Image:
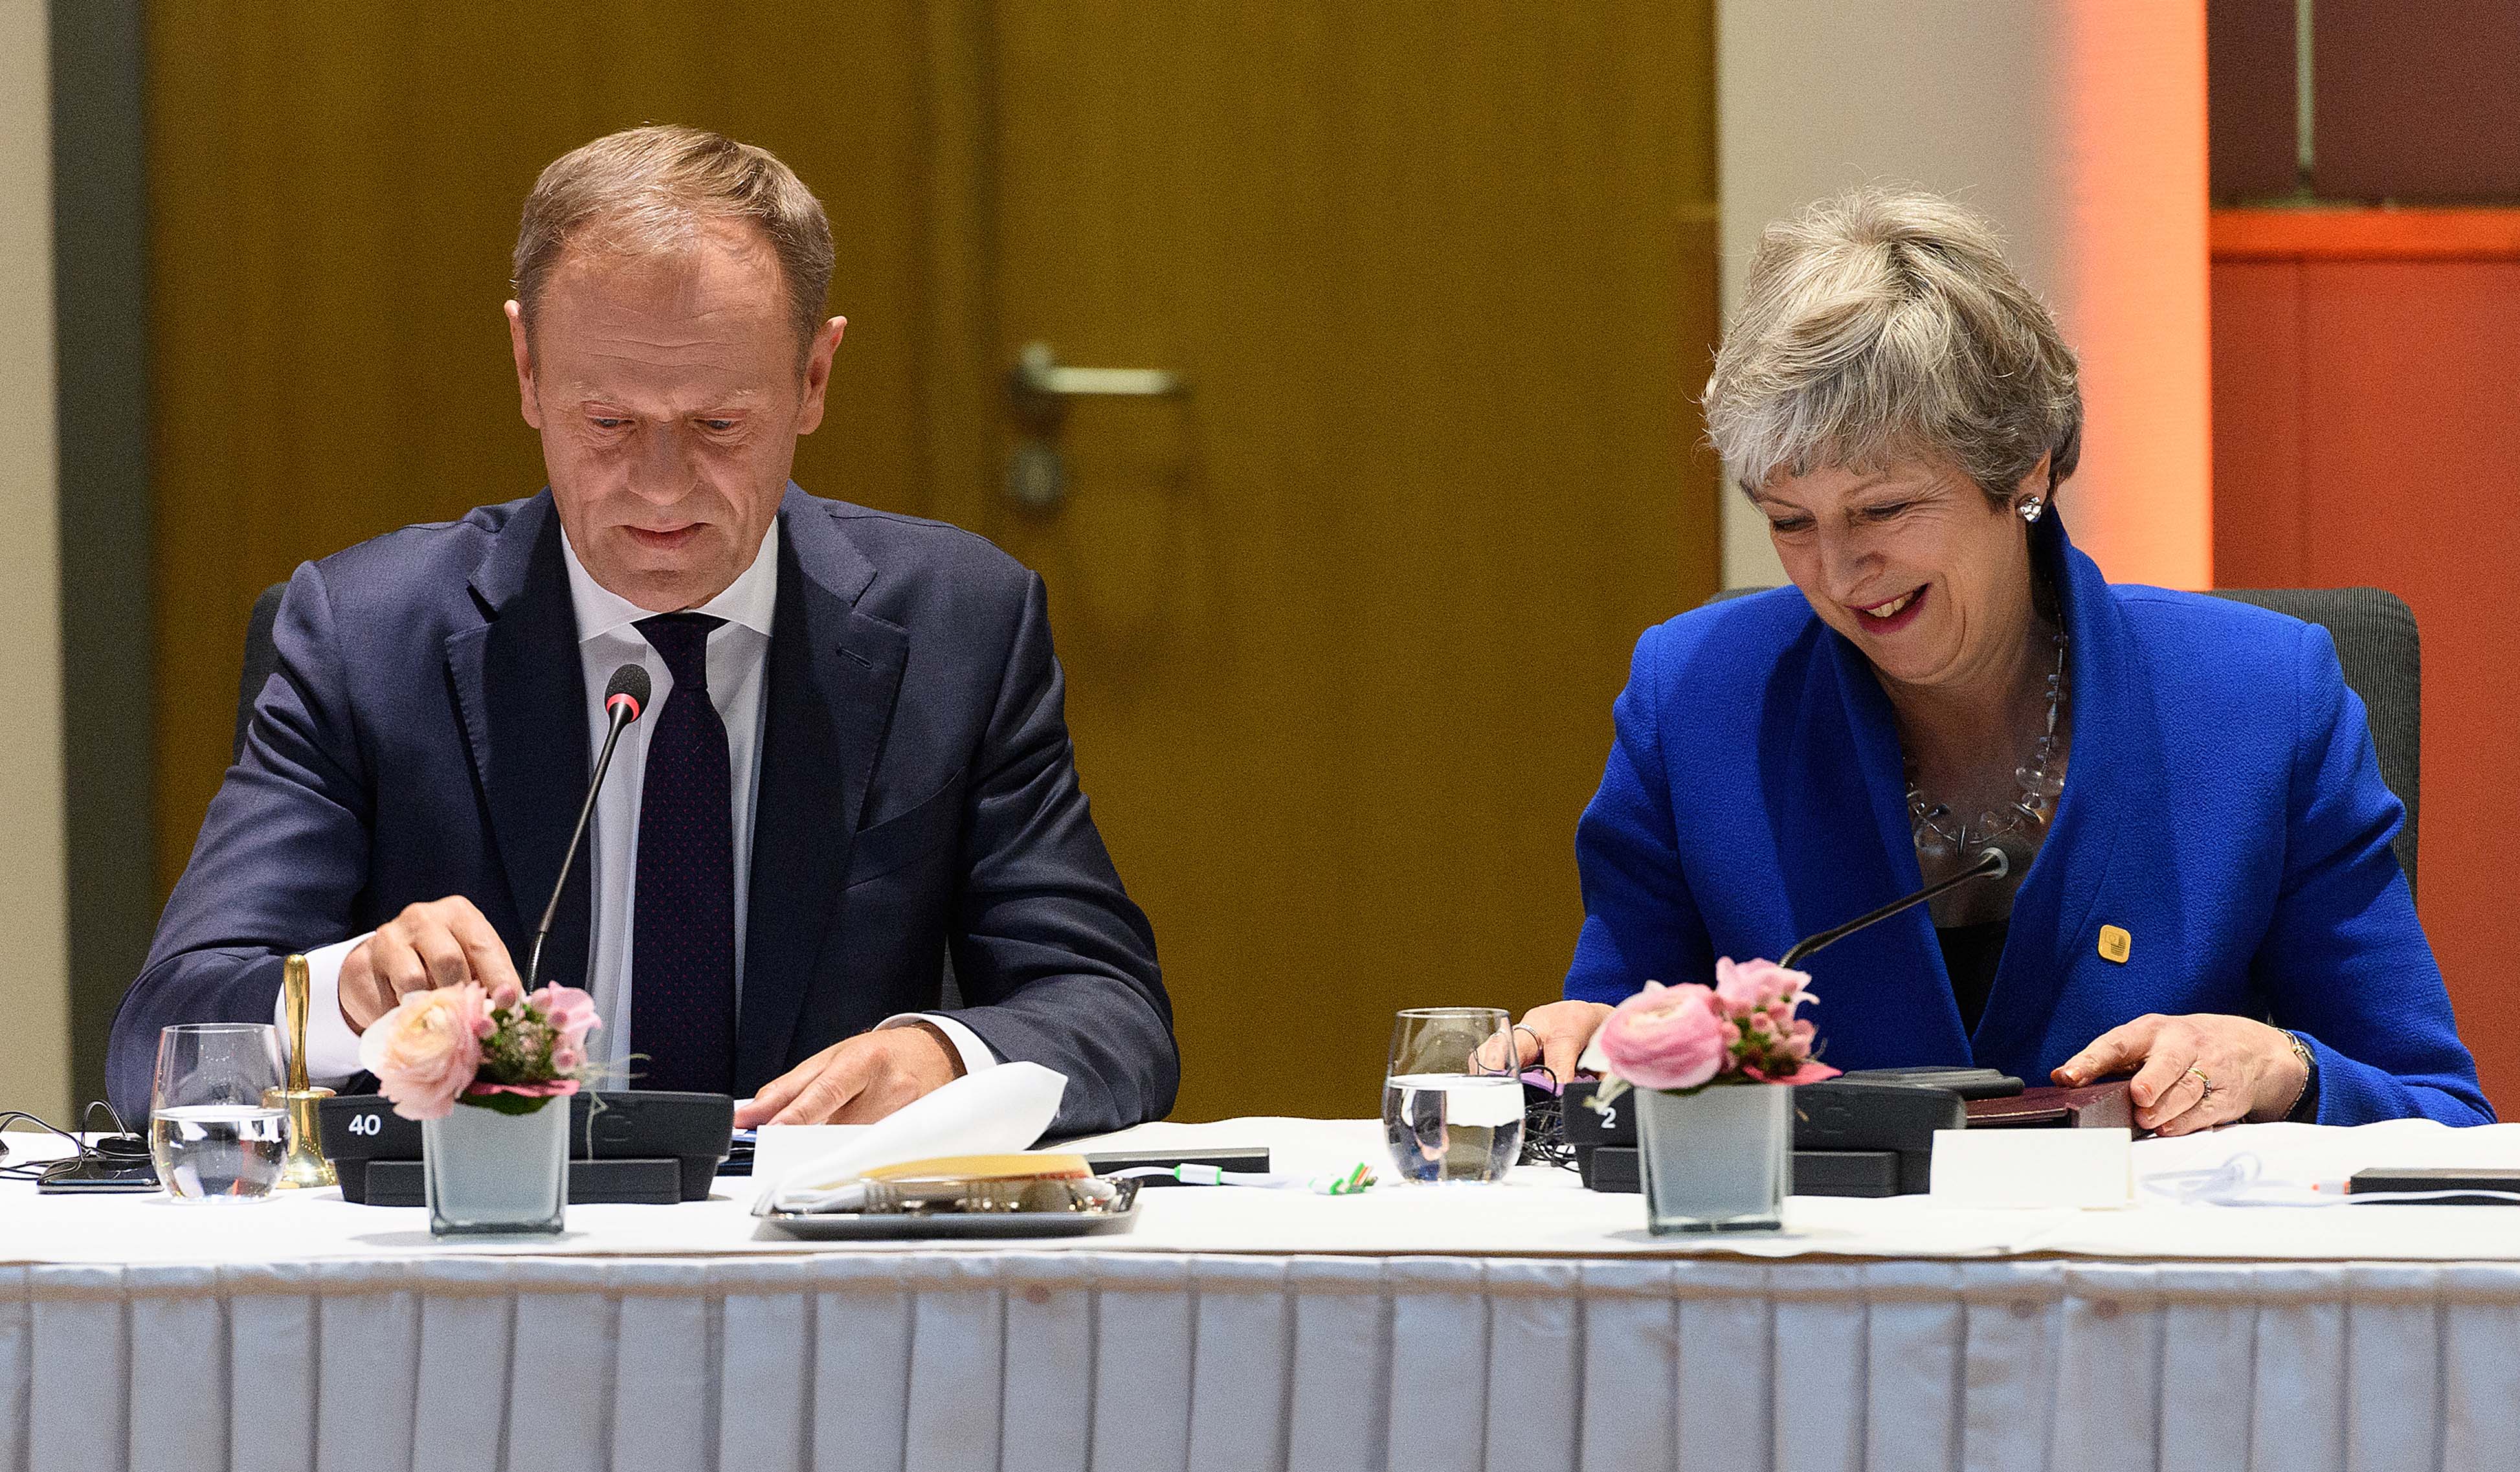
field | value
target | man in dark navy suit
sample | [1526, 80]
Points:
[854, 765]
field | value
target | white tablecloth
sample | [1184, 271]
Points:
[1238, 1329]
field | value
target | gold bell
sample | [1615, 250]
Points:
[306, 1166]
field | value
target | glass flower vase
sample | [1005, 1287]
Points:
[1720, 1159]
[489, 1170]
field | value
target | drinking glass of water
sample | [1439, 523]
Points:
[209, 1131]
[1452, 1101]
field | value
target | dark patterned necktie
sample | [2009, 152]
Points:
[682, 946]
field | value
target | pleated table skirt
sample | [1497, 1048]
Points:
[1020, 1361]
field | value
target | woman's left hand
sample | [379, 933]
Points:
[2196, 1071]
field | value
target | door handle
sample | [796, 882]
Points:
[1039, 372]
[1039, 388]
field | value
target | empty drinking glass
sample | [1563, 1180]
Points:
[1452, 1099]
[209, 1131]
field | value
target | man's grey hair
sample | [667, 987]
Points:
[1884, 326]
[648, 190]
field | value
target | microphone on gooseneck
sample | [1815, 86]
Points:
[2001, 855]
[625, 699]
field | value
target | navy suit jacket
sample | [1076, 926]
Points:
[424, 735]
[2224, 806]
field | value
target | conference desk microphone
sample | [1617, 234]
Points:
[625, 699]
[1994, 860]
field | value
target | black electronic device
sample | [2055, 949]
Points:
[612, 1183]
[1850, 1140]
[1816, 1173]
[1253, 1158]
[683, 1134]
[2503, 1181]
[1967, 1083]
[108, 1163]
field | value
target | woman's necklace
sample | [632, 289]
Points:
[1940, 837]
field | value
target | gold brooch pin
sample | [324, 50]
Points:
[2115, 944]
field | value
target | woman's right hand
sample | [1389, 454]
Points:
[1554, 1035]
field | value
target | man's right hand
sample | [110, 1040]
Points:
[442, 942]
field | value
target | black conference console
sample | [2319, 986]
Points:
[1851, 1139]
[649, 1147]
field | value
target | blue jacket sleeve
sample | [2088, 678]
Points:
[281, 860]
[1641, 923]
[2344, 961]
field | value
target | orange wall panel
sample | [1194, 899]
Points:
[2366, 427]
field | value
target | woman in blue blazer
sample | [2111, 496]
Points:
[2210, 902]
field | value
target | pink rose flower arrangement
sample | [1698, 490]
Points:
[499, 1048]
[1742, 1030]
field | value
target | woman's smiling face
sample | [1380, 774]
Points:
[1913, 563]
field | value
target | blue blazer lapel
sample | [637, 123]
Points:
[2116, 752]
[523, 691]
[832, 678]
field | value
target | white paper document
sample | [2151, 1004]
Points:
[995, 1111]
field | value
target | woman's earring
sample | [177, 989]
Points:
[2031, 508]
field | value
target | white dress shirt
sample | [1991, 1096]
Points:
[738, 674]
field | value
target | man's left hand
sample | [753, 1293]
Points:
[857, 1080]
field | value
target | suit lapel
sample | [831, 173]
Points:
[523, 691]
[2111, 777]
[834, 674]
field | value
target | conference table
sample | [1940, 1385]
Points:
[1524, 1326]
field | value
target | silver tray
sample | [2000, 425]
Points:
[879, 1226]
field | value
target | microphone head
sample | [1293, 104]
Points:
[629, 684]
[2012, 855]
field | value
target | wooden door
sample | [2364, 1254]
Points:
[1343, 623]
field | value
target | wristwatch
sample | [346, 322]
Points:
[2305, 1104]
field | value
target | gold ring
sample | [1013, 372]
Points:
[2204, 1083]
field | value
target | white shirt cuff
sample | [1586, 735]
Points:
[331, 1049]
[975, 1053]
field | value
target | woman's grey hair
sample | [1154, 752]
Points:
[1884, 326]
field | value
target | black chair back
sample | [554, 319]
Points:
[261, 659]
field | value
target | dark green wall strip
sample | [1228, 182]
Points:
[101, 310]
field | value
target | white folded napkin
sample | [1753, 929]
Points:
[995, 1111]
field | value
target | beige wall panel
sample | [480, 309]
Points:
[34, 951]
[2079, 128]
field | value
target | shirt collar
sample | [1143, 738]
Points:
[750, 600]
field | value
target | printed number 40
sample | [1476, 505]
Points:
[367, 1124]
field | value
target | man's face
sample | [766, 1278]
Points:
[669, 397]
